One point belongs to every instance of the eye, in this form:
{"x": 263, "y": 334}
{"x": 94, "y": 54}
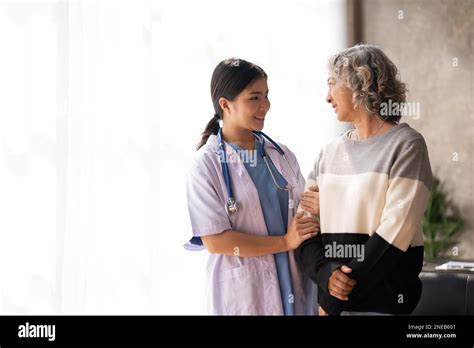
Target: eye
{"x": 254, "y": 98}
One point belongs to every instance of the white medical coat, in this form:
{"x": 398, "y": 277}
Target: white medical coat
{"x": 242, "y": 285}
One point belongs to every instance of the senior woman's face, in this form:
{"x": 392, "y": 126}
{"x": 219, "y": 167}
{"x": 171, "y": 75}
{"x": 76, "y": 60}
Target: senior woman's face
{"x": 340, "y": 97}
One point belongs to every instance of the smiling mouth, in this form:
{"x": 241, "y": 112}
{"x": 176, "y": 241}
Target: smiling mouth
{"x": 261, "y": 119}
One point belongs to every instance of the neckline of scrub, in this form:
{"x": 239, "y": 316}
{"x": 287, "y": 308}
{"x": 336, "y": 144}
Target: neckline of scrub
{"x": 237, "y": 147}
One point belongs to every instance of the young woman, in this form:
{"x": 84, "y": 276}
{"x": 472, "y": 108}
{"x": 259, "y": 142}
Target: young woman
{"x": 374, "y": 182}
{"x": 243, "y": 190}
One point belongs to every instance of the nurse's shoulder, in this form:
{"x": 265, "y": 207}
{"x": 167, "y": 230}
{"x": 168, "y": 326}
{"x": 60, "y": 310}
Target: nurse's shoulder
{"x": 290, "y": 156}
{"x": 206, "y": 159}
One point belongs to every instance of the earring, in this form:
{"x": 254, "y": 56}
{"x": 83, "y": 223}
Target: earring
{"x": 221, "y": 123}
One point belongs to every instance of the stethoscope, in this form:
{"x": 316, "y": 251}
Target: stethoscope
{"x": 231, "y": 205}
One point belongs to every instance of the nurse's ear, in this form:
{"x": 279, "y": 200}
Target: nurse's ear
{"x": 224, "y": 104}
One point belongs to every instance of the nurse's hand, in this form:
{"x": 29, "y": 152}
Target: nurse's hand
{"x": 301, "y": 228}
{"x": 310, "y": 200}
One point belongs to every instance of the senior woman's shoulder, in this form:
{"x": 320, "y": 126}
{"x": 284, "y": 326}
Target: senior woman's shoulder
{"x": 405, "y": 135}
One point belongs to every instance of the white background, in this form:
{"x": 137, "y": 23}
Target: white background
{"x": 101, "y": 106}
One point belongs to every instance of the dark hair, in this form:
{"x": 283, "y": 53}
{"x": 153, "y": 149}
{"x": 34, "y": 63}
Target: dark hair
{"x": 230, "y": 77}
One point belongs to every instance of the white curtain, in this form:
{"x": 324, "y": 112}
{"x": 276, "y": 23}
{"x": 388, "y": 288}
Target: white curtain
{"x": 102, "y": 104}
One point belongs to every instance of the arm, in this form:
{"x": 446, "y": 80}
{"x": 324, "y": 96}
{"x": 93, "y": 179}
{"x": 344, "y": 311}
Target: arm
{"x": 235, "y": 243}
{"x": 310, "y": 255}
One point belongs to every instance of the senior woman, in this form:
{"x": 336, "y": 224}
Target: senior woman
{"x": 374, "y": 182}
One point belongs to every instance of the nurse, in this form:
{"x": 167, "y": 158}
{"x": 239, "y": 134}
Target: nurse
{"x": 242, "y": 192}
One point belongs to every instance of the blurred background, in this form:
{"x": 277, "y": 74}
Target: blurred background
{"x": 103, "y": 102}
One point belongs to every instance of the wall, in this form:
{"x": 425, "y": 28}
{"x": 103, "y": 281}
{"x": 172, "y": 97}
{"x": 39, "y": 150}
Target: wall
{"x": 431, "y": 43}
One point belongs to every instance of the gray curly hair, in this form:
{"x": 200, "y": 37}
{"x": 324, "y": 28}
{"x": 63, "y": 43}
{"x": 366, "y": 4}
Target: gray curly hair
{"x": 371, "y": 76}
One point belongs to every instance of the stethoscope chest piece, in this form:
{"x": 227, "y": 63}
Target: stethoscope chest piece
{"x": 231, "y": 206}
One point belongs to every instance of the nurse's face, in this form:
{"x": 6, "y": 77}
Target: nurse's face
{"x": 340, "y": 98}
{"x": 249, "y": 108}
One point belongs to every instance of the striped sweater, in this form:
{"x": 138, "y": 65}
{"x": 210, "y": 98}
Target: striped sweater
{"x": 373, "y": 194}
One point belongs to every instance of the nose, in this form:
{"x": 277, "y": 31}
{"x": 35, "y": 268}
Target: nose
{"x": 265, "y": 106}
{"x": 329, "y": 97}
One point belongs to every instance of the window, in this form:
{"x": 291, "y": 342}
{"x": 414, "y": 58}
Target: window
{"x": 102, "y": 106}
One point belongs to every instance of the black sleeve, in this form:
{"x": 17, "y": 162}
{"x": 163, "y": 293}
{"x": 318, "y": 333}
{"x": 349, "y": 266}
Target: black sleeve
{"x": 379, "y": 259}
{"x": 310, "y": 257}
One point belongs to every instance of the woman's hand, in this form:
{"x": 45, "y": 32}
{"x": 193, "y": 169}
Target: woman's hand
{"x": 339, "y": 284}
{"x": 310, "y": 200}
{"x": 301, "y": 228}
